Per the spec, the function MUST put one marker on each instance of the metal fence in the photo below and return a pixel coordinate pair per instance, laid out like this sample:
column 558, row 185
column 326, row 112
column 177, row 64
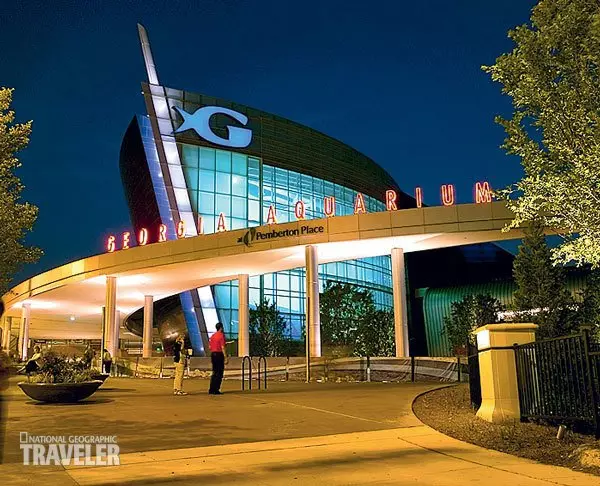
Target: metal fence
column 559, row 380
column 474, row 379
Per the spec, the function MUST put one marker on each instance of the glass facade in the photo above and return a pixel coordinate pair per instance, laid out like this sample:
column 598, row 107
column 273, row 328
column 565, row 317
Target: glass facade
column 242, row 188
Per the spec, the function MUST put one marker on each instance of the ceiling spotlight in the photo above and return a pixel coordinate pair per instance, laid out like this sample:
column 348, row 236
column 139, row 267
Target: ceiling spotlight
column 72, row 318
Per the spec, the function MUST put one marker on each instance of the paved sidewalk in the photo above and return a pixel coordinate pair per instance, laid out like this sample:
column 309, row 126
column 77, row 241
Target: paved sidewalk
column 380, row 442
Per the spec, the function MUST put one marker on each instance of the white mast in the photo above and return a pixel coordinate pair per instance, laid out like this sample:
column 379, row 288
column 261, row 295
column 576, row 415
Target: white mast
column 148, row 59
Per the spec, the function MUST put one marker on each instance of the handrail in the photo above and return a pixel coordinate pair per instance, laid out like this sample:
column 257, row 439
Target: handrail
column 249, row 372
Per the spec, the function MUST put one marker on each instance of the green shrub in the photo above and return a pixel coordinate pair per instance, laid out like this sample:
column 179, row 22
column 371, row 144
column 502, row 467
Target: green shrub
column 58, row 368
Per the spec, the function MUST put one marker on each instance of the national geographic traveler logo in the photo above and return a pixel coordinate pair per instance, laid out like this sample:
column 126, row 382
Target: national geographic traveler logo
column 253, row 234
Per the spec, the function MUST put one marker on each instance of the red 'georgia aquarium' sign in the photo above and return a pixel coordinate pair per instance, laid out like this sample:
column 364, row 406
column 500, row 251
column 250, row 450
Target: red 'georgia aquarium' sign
column 482, row 193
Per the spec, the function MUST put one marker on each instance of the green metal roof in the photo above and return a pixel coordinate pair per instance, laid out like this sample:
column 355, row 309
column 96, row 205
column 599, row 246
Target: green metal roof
column 437, row 303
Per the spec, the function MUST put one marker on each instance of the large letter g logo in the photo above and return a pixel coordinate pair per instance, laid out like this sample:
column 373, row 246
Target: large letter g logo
column 200, row 122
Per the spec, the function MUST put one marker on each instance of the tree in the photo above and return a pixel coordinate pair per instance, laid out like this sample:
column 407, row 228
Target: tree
column 343, row 307
column 588, row 313
column 541, row 296
column 467, row 315
column 375, row 336
column 267, row 330
column 350, row 319
column 552, row 76
column 16, row 217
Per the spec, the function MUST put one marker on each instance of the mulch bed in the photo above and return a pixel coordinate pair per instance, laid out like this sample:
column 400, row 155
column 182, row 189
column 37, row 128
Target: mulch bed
column 449, row 411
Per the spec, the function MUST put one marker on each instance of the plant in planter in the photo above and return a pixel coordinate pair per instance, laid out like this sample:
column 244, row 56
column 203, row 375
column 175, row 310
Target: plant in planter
column 60, row 379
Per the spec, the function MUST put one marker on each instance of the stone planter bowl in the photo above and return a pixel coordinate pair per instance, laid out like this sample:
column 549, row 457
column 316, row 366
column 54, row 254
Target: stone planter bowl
column 100, row 376
column 60, row 392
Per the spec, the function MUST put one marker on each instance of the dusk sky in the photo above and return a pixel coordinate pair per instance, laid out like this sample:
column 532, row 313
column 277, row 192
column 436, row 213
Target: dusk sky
column 399, row 81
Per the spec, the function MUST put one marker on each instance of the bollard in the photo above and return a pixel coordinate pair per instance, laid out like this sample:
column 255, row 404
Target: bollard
column 368, row 369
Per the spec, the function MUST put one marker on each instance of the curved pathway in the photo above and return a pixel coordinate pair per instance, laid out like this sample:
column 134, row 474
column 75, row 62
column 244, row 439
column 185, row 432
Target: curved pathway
column 362, row 433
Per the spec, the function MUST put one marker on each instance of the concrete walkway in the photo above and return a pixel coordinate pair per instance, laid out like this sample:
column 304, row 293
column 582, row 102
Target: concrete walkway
column 378, row 440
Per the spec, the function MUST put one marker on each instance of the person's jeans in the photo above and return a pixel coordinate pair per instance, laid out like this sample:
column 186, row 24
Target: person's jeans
column 179, row 372
column 218, row 367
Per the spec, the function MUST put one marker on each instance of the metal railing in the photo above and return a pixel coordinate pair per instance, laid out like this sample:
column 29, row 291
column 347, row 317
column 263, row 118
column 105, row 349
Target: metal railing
column 558, row 380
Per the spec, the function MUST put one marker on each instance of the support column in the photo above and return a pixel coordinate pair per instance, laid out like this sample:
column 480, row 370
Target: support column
column 243, row 316
column 313, row 316
column 148, row 324
column 400, row 304
column 110, row 309
column 117, row 332
column 498, row 370
column 6, row 337
column 24, row 331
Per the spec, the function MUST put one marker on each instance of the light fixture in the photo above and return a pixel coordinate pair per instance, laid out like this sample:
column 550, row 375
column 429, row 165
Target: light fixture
column 72, row 318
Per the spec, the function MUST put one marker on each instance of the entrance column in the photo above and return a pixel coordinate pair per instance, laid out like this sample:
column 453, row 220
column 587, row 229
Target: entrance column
column 313, row 316
column 400, row 305
column 6, row 333
column 148, row 324
column 110, row 310
column 117, row 331
column 243, row 316
column 24, row 331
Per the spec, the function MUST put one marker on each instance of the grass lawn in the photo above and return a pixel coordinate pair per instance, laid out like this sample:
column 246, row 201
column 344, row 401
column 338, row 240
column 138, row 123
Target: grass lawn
column 449, row 411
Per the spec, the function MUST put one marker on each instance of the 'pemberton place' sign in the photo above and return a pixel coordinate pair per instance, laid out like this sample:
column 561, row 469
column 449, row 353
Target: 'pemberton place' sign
column 482, row 193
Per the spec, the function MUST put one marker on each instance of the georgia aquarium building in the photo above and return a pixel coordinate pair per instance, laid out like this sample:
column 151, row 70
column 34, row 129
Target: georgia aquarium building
column 219, row 165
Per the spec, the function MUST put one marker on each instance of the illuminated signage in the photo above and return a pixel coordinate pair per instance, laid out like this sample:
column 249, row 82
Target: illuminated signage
column 300, row 210
column 447, row 191
column 482, row 194
column 221, row 223
column 329, row 206
column 419, row 197
column 271, row 215
column 199, row 121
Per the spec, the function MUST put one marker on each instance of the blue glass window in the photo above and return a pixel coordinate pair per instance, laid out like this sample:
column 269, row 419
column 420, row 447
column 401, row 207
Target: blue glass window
column 207, row 180
column 223, row 161
column 223, row 183
column 207, row 158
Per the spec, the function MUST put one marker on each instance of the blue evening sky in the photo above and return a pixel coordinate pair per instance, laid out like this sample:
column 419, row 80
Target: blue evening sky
column 399, row 81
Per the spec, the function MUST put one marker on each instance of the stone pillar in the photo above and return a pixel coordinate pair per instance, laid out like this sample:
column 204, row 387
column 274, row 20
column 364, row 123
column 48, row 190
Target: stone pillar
column 243, row 316
column 313, row 315
column 110, row 310
column 148, row 324
column 497, row 369
column 400, row 305
column 24, row 331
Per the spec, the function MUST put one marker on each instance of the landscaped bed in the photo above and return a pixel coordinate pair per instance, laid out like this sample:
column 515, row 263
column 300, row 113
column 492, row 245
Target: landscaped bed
column 449, row 411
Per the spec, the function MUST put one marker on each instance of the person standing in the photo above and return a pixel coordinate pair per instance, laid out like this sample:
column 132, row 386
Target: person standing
column 179, row 357
column 88, row 356
column 106, row 361
column 218, row 353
